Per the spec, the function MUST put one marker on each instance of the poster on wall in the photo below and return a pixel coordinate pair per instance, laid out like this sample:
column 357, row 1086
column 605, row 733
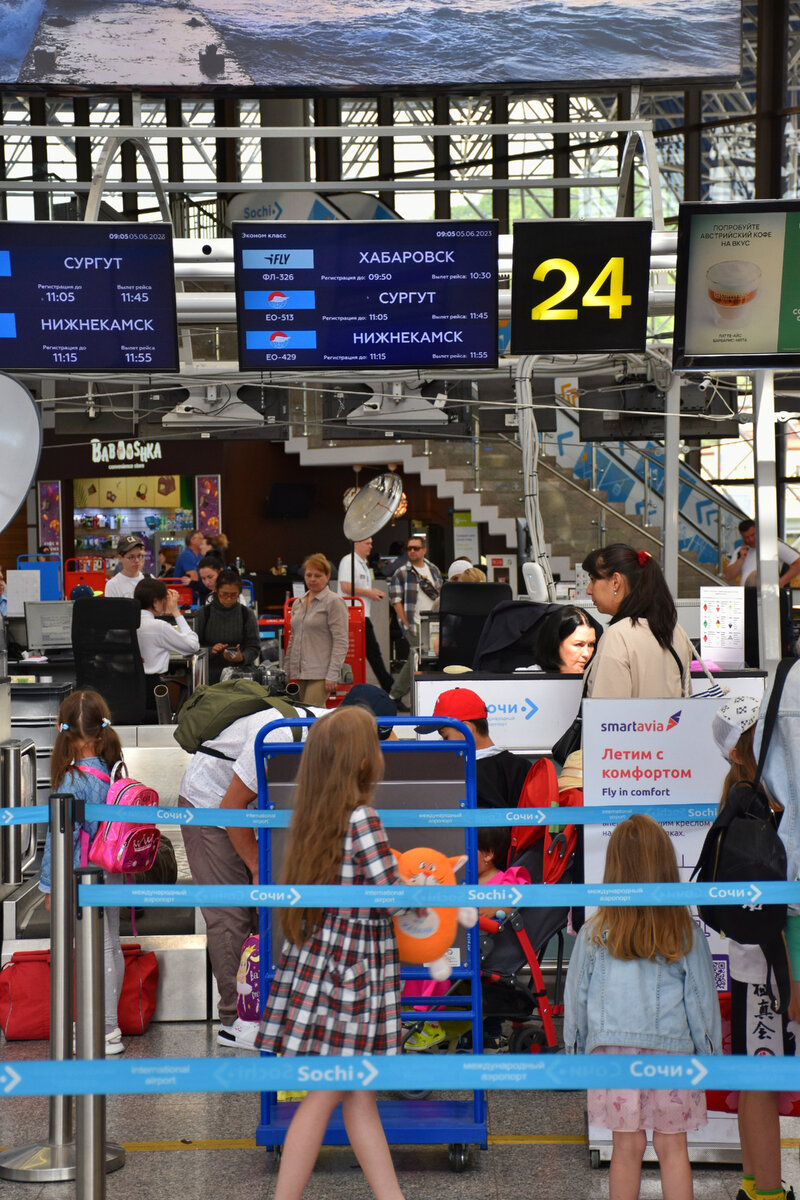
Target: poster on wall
column 208, row 503
column 465, row 537
column 219, row 44
column 722, row 625
column 48, row 497
column 737, row 288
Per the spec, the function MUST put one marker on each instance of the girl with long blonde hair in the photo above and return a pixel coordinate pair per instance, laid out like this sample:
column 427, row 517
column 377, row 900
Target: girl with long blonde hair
column 337, row 987
column 641, row 981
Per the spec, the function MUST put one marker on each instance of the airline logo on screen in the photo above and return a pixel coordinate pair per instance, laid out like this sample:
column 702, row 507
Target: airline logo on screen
column 272, row 339
column 286, row 260
column 8, row 322
column 279, row 300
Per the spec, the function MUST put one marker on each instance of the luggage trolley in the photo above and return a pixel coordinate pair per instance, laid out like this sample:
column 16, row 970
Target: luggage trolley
column 446, row 771
column 356, row 654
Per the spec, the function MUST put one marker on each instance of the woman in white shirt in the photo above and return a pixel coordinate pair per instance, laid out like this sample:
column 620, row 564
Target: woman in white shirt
column 158, row 639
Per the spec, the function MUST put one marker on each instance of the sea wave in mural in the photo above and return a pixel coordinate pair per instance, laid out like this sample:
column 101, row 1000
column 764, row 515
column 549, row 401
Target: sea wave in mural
column 362, row 44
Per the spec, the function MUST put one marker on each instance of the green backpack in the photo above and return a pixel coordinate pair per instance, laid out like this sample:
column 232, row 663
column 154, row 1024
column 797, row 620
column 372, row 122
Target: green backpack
column 214, row 706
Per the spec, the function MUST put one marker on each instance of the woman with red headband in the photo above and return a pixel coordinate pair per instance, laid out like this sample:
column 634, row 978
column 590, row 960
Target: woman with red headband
column 644, row 652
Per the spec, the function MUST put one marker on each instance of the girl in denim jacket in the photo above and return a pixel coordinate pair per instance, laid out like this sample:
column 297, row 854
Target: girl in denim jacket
column 641, row 981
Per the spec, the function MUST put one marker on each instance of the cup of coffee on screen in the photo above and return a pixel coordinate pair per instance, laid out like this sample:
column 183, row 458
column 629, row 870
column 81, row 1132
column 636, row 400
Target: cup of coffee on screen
column 732, row 287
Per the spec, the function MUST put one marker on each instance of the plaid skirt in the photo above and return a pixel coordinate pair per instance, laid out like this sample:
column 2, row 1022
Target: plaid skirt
column 338, row 993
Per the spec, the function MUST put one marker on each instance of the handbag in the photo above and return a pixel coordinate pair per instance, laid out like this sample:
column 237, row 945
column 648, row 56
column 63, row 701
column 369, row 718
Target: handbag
column 427, row 588
column 164, row 868
column 25, row 993
column 570, row 740
column 248, row 986
column 137, row 999
column 25, row 996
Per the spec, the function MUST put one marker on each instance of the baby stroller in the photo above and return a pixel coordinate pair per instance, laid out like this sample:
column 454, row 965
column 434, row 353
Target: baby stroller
column 519, row 939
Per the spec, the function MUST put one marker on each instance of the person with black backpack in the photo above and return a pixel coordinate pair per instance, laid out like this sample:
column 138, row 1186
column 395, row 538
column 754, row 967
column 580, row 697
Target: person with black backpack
column 756, row 1027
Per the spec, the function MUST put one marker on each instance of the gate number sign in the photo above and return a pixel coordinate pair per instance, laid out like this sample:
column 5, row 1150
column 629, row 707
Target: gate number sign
column 579, row 286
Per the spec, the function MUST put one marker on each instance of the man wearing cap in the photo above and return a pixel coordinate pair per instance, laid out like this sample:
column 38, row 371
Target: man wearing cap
column 499, row 774
column 131, row 555
column 457, row 569
column 365, row 589
column 225, row 775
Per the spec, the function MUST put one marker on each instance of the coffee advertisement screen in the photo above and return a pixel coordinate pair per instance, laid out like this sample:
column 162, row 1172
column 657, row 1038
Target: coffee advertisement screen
column 79, row 296
column 737, row 293
column 366, row 294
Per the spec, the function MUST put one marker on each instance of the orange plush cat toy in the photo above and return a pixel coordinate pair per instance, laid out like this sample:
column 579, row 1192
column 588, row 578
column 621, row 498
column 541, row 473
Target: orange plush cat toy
column 427, row 939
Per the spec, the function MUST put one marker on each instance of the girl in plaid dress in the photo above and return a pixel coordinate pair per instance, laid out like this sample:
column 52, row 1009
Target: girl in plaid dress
column 337, row 987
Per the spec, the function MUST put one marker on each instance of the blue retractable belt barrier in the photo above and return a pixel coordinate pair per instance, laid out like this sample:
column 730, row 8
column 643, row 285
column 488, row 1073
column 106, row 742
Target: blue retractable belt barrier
column 517, row 1072
column 391, row 818
column 531, row 895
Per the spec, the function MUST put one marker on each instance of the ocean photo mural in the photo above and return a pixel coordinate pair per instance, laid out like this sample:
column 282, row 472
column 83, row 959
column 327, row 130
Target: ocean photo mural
column 363, row 45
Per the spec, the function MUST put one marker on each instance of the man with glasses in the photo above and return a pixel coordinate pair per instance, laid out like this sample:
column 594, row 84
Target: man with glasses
column 413, row 589
column 131, row 555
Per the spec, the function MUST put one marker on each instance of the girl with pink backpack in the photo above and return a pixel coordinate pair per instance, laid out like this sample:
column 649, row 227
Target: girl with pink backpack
column 84, row 753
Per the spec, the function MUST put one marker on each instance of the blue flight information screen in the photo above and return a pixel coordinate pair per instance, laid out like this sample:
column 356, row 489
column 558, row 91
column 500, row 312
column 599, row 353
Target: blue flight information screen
column 366, row 294
column 84, row 296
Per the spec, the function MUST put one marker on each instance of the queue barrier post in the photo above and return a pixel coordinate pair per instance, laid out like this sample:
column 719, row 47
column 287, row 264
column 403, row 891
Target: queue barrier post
column 94, row 1156
column 54, row 1160
column 163, row 706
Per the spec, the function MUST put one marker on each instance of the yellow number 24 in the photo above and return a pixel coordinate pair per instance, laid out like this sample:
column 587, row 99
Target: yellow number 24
column 613, row 299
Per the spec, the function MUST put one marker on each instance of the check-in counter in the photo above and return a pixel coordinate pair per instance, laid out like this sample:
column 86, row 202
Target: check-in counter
column 528, row 711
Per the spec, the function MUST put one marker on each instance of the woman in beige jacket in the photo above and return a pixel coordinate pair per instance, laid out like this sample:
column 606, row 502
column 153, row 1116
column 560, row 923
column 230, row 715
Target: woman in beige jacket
column 643, row 652
column 319, row 637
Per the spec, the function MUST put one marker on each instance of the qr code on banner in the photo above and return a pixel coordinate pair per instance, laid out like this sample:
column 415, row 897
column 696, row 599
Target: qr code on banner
column 721, row 973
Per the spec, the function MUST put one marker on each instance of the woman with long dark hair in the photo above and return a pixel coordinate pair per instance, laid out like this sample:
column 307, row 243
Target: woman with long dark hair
column 643, row 652
column 565, row 641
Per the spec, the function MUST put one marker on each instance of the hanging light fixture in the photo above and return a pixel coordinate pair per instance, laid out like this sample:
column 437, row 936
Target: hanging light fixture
column 352, row 492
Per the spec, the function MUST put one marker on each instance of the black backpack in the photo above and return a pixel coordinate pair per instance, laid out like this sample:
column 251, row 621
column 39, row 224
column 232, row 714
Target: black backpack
column 743, row 846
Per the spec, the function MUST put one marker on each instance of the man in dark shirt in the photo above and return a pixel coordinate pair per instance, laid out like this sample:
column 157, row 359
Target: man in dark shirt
column 499, row 774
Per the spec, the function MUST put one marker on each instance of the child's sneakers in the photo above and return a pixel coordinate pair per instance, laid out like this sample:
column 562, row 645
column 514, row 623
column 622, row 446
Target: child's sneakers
column 114, row 1044
column 431, row 1034
column 745, row 1193
column 241, row 1035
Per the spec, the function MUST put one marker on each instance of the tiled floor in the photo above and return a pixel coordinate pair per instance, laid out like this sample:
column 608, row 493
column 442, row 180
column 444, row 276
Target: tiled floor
column 182, row 1147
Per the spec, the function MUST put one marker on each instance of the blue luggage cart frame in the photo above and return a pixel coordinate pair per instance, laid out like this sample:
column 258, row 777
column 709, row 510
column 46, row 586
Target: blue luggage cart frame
column 410, row 1121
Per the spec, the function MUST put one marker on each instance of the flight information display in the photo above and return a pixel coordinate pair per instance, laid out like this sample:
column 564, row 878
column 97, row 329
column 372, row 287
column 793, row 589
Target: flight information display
column 84, row 296
column 366, row 294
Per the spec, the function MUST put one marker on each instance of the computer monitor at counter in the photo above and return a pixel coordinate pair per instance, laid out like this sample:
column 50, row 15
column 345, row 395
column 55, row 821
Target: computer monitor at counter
column 48, row 625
